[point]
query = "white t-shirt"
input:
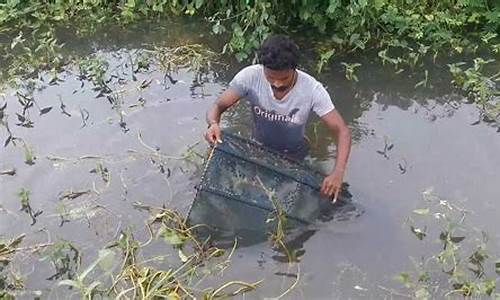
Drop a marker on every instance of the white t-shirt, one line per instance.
(280, 124)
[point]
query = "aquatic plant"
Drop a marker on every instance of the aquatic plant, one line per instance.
(24, 198)
(132, 278)
(462, 267)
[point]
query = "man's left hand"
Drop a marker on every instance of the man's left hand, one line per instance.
(332, 184)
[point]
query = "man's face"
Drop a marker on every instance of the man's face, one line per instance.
(280, 80)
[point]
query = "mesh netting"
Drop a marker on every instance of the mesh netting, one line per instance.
(236, 191)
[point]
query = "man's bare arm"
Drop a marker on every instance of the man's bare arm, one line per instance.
(227, 99)
(342, 135)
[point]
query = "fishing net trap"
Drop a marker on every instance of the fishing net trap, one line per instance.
(244, 184)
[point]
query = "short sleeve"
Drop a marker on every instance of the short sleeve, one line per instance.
(243, 81)
(321, 101)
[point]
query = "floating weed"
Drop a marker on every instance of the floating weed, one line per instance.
(62, 210)
(88, 291)
(8, 249)
(462, 267)
(278, 235)
(94, 69)
(279, 217)
(136, 280)
(64, 257)
(9, 283)
(129, 247)
(104, 173)
(29, 154)
(479, 87)
(387, 147)
(24, 198)
(71, 194)
(324, 58)
(196, 57)
(350, 71)
(9, 172)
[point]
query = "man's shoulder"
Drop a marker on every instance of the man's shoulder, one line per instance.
(309, 79)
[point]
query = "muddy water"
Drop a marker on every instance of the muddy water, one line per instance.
(434, 146)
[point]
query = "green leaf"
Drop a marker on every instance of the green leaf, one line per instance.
(497, 267)
(354, 38)
(403, 277)
(198, 3)
(378, 4)
(171, 236)
(421, 211)
(418, 232)
(45, 110)
(332, 6)
(241, 56)
(457, 239)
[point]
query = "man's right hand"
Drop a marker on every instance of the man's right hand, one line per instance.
(213, 134)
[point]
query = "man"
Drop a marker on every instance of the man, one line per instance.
(281, 98)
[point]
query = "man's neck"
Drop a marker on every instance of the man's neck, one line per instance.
(281, 95)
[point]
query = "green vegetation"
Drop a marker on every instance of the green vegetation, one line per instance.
(8, 283)
(404, 33)
(134, 278)
(24, 198)
(462, 267)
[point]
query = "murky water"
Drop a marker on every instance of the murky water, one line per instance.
(434, 145)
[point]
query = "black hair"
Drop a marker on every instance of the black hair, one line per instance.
(279, 52)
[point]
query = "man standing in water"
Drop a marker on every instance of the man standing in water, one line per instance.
(281, 98)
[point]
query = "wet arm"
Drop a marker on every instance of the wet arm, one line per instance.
(227, 99)
(342, 136)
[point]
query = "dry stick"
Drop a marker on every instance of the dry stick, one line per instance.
(33, 248)
(156, 152)
(249, 286)
(150, 230)
(122, 293)
(160, 282)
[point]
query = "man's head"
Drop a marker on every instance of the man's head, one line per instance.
(279, 55)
